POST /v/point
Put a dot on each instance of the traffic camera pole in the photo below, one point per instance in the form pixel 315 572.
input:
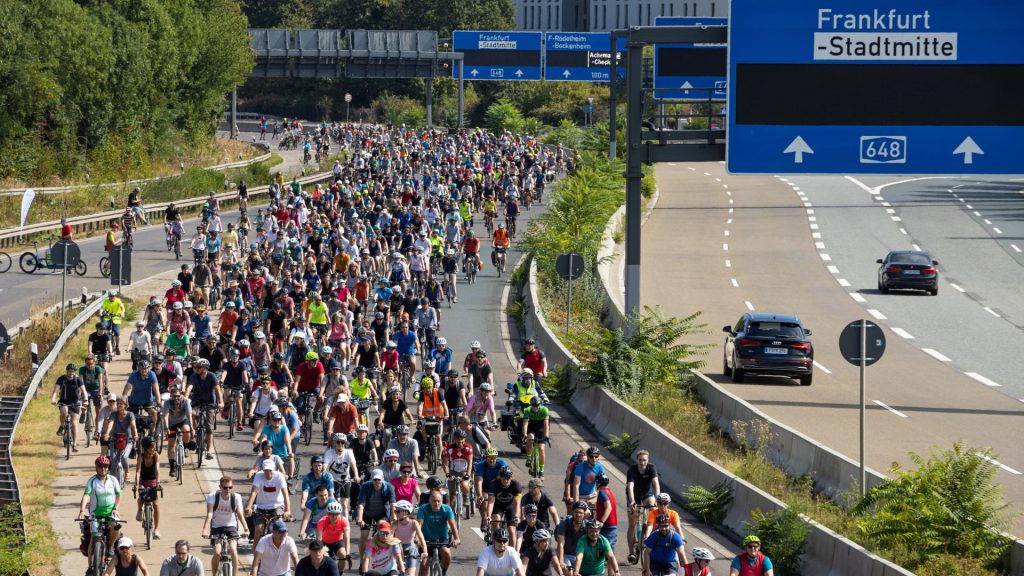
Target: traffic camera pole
pixel 634 176
pixel 461 87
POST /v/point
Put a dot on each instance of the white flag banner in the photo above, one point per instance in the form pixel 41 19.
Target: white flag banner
pixel 26 203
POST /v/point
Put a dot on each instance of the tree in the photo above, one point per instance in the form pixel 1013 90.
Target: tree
pixel 503 115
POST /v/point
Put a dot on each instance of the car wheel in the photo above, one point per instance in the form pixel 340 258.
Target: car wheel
pixel 934 291
pixel 882 288
pixel 725 366
pixel 737 372
pixel 805 380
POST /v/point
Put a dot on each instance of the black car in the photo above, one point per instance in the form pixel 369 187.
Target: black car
pixel 768 344
pixel 908 269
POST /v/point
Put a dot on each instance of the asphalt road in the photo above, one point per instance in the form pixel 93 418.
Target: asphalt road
pixel 752 243
pixel 478 315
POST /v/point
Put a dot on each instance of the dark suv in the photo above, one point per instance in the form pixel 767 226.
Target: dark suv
pixel 770 344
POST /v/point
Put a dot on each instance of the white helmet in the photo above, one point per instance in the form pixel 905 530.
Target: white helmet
pixel 475 344
pixel 442 341
pixel 428 363
pixel 390 453
pixel 702 554
pixel 334 508
pixel 405 505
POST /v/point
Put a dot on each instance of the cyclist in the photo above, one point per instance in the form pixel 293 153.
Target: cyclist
pixel 585 477
pixel 568 535
pixel 343 416
pixel 269 499
pixel 342 464
pixel 275 554
pixel 533 359
pixel 101 345
pixel 205 391
pixel 593 551
pixel 234 375
pixel 333 530
pixel 432 408
pixel 504 496
pixel 538 559
pixel 383 555
pixel 663 501
pixel 279 435
pixel 120 427
pixel 499 243
pixel 471 253
pixel 700 566
pixel 485 473
pixel 317 562
pixel 751 562
pixel 112 312
pixel 99 503
pixel 362 387
pixel 407 345
pixel 143 391
pixel 437 521
pixel 69 393
pixel 376 497
pixel 428 372
pixel 126 562
pixel 407 530
pixel 480 371
pixel 480 406
pixel 449 268
pixel 536 496
pixel 458 458
pixel 316 508
pixel 224 517
pixel 606 513
pixel 663 552
pixel 530 523
pixel 408 449
pixel 536 428
pixel 511 213
pixel 641 484
pixel 308 376
pixel 95 380
pixel 110 240
pixel 406 486
pixel 316 477
pixel 181 563
pixel 499 559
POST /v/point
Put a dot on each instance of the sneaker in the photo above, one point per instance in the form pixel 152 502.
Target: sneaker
pixel 60 430
pixel 81 419
pixel 631 559
pixel 74 448
pixel 238 428
pixel 156 534
pixel 455 300
pixel 209 456
pixel 138 516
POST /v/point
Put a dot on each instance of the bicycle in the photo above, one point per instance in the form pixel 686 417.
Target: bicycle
pixel 118 461
pixel 224 564
pixel 308 402
pixel 5 262
pixel 29 262
pixel 434 557
pixel 90 421
pixel 499 259
pixel 432 432
pixel 460 504
pixel 363 408
pixel 449 291
pixel 642 511
pixel 510 223
pixel 406 373
pixel 148 495
pixel 233 395
pixel 472 266
pixel 67 437
pixel 105 266
pixel 98 543
pixel 533 457
pixel 179 454
pixel 200 433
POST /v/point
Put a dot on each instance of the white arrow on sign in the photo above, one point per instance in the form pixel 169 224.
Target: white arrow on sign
pixel 473 72
pixel 519 73
pixel 566 73
pixel 968 148
pixel 686 86
pixel 798 147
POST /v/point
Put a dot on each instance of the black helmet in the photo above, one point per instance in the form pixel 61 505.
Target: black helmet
pixel 500 534
pixel 530 509
pixel 603 479
pixel 663 519
pixel 505 472
pixel 579 505
pixel 434 483
pixel 593 451
pixel 278 356
pixel 534 401
pixel 460 433
pixel 71 366
pixel 146 442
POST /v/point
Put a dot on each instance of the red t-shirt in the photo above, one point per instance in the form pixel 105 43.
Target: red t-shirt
pixel 332 532
pixel 389 358
pixel 603 503
pixel 344 420
pixel 174 295
pixel 309 377
pixel 534 361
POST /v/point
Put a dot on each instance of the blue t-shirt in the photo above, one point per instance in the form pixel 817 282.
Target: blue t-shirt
pixel 310 484
pixel 316 512
pixel 406 342
pixel 202 325
pixel 488 473
pixel 588 476
pixel 142 388
pixel 765 566
pixel 663 549
pixel 277 439
pixel 443 360
pixel 435 523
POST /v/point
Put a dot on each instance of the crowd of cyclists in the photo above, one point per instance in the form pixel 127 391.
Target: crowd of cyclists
pixel 318 322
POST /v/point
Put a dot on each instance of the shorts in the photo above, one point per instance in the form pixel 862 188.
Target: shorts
pixel 411 554
pixel 334 546
pixel 95 396
pixel 664 568
pixel 319 328
pixel 372 520
pixel 226 531
pixel 73 408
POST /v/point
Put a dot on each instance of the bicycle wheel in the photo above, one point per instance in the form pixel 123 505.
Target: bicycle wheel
pixel 232 418
pixel 147 523
pixel 105 266
pixel 68 439
pixel 5 262
pixel 179 461
pixel 170 241
pixel 81 268
pixel 200 445
pixel 90 426
pixel 158 434
pixel 435 567
pixel 307 428
pixel 225 565
pixel 97 556
pixel 28 263
pixel 177 249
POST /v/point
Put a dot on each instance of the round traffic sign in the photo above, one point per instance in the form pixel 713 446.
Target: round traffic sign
pixel 569 265
pixel 348 97
pixel 5 340
pixel 62 249
pixel 850 343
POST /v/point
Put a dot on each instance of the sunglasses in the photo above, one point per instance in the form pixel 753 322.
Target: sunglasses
pixel 124 548
pixel 501 541
pixel 227 487
pixel 753 546
pixel 406 470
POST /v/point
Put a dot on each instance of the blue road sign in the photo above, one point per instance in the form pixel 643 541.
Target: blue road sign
pixel 580 56
pixel 690 71
pixel 498 55
pixel 862 87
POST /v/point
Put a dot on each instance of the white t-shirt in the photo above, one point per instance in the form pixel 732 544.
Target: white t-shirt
pixel 494 566
pixel 223 517
pixel 269 493
pixel 338 465
pixel 139 341
pixel 275 560
pixel 264 401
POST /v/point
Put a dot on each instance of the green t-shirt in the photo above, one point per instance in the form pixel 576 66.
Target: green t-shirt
pixel 91 377
pixel 102 495
pixel 590 559
pixel 537 414
pixel 178 343
pixel 318 314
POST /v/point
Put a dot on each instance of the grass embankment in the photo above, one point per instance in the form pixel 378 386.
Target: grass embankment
pixel 34 454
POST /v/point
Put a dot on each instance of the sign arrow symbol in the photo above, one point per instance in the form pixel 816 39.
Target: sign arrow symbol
pixel 519 73
pixel 798 147
pixel 968 148
pixel 473 72
pixel 686 86
pixel 566 73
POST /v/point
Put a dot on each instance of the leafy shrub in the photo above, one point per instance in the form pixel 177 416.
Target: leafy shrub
pixel 623 446
pixel 503 115
pixel 12 547
pixel 558 383
pixel 783 535
pixel 710 506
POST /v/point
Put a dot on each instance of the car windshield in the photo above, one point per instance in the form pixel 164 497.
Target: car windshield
pixel 910 258
pixel 776 330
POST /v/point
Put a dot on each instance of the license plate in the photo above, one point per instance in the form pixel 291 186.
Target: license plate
pixel 776 350
pixel 912 272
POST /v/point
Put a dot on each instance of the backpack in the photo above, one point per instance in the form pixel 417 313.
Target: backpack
pixel 216 501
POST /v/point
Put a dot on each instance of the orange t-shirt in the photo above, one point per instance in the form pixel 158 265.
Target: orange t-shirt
pixel 227 321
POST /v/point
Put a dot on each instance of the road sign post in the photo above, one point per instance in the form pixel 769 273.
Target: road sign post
pixel 68 254
pixel 690 71
pixel 570 267
pixel 849 88
pixel 862 343
pixel 499 55
pixel 5 340
pixel 348 102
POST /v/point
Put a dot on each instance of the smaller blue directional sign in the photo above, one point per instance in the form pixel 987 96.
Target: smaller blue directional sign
pixel 858 87
pixel 580 56
pixel 498 55
pixel 690 71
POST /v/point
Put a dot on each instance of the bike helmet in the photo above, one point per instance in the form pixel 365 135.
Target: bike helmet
pixel 603 479
pixel 530 509
pixel 663 519
pixel 591 524
pixel 326 351
pixel 229 303
pixel 593 451
pixel 663 498
pixel 540 535
pixel 202 363
pixel 339 437
pixel 441 341
pixel 394 389
pixel 282 402
pixel 278 356
pixel 334 508
pixel 391 453
pixel 158 358
pixel 243 343
pixel 233 353
pixel 490 452
pixel 460 433
pixel 146 442
pixel 316 459
pixel 176 283
pixel 703 554
pixel 103 461
pixel 427 383
pixel 379 315
pixel 403 429
pixel 751 539
pixel 526 372
pixel 359 370
pixel 391 344
pixel 259 335
pixel 434 483
pixel 143 364
pixel 405 506
pixel 486 387
pixel 500 535
pixel 429 363
pixel 534 402
pixel 311 355
pixel 71 366
pixel 530 341
pixel 475 344
pixel 177 306
pixel 505 472
pixel 580 505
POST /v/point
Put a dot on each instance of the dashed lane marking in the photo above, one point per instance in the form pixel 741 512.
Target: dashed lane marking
pixel 997 230
pixel 728 263
pixel 878 315
pixel 936 354
pixel 822 368
pixel 726 232
pixel 825 257
pixel 857 297
pixel 833 269
pixel 725 247
pixel 1000 464
pixel 957 287
pixel 902 333
pixel 1015 248
pixel 819 245
pixel 992 312
pixel 843 282
pixel 891 409
pixel 983 380
pixel 735 284
pixel 916 247
pixel 749 305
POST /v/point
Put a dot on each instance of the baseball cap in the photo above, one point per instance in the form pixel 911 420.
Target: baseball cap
pixel 269 465
pixel 279 526
pixel 342 397
pixel 315 545
pixel 377 474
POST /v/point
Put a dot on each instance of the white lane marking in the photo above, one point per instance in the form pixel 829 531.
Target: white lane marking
pixel 476 529
pixel 988 222
pixel 969 207
pixel 726 232
pixel 814 226
pixel 902 333
pixel 730 200
pixel 822 368
pixel 833 269
pixel 1015 248
pixel 810 211
pixel 825 257
pixel 936 354
pixel 997 230
pixel 961 199
pixel 891 409
pixel 725 247
pixel 808 204
pixel 728 263
pixel 857 297
pixel 983 380
pixel 916 247
pixel 706 174
pixel 819 245
pixel 782 179
pixel 730 210
pixel 957 287
pixel 886 204
pixel 843 282
pixel 878 315
pixel 863 186
pixel 992 312
pixel 729 221
pixel 812 218
pixel 691 168
pixel 735 284
pixel 718 179
pixel 903 231
pixel 797 188
pixel 749 305
pixel 725 185
pixel 890 211
pixel 816 235
pixel 879 198
pixel 1000 464
pixel 895 218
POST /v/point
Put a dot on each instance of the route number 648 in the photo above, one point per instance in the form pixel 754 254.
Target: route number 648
pixel 883 149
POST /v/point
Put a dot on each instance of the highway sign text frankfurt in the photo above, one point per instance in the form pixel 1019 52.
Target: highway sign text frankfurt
pixel 855 86
pixel 690 71
pixel 579 56
pixel 498 55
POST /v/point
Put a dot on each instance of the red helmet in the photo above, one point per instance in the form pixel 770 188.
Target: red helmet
pixel 103 460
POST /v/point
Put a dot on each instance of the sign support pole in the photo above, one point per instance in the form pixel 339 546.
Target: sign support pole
pixel 863 385
pixel 346 112
pixel 613 94
pixel 462 80
pixel 634 175
pixel 568 298
pixel 430 101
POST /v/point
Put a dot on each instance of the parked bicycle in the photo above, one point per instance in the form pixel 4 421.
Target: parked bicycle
pixel 5 262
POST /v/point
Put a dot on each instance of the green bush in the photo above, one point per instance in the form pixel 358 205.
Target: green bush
pixel 12 542
pixel 558 383
pixel 783 535
pixel 503 115
pixel 711 505
pixel 623 446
